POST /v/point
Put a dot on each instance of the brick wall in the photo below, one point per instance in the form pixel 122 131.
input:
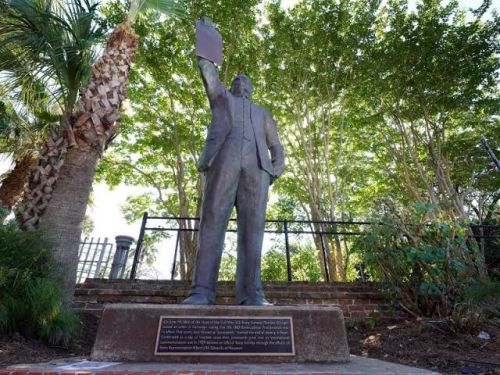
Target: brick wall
pixel 357 300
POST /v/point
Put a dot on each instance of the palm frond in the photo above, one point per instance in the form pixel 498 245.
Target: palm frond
pixel 50 41
pixel 167 7
pixel 174 7
pixel 20 129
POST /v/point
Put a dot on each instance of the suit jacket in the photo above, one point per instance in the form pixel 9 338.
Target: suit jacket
pixel 221 104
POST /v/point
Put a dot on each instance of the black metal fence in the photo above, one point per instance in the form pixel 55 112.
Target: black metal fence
pixel 284 228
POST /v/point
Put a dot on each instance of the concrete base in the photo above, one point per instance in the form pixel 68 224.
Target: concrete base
pixel 128 333
pixel 356 366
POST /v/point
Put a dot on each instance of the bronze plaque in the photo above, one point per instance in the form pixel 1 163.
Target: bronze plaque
pixel 221 335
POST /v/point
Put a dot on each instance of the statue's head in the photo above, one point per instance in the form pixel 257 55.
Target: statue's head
pixel 241 86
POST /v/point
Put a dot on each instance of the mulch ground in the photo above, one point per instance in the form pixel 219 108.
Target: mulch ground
pixel 427 345
pixel 16 349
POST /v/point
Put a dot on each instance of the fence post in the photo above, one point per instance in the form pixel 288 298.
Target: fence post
pixel 172 274
pixel 82 245
pixel 86 260
pixel 121 254
pixel 101 257
pixel 138 248
pixel 81 263
pixel 287 252
pixel 325 257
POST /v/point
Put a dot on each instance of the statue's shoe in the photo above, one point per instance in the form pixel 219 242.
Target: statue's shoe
pixel 258 301
pixel 197 299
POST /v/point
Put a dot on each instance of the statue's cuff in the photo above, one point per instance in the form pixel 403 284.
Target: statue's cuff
pixel 277 153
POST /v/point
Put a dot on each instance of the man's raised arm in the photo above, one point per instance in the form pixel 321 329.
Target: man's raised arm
pixel 213 86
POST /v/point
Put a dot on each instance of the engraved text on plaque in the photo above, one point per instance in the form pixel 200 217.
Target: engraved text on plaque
pixel 225 336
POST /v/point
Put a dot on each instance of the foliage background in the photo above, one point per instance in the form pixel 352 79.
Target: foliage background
pixel 379 105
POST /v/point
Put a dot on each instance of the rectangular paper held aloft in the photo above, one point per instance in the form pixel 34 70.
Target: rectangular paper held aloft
pixel 208 43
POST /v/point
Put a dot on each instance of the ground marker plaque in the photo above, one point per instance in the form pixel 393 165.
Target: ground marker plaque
pixel 224 335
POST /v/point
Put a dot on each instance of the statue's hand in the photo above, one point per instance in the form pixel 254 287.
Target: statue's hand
pixel 278 167
pixel 278 160
pixel 203 167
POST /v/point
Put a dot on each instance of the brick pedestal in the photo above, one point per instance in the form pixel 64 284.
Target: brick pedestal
pixel 357 300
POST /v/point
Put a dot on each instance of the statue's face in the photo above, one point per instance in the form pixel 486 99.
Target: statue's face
pixel 241 86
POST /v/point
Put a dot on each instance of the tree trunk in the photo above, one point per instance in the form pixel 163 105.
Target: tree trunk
pixel 13 185
pixel 339 258
pixel 61 221
pixel 322 251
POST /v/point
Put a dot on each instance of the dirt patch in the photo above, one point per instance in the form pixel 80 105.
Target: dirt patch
pixel 428 345
pixel 85 334
pixel 15 349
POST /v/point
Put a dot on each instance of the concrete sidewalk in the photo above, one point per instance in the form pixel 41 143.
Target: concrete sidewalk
pixel 357 366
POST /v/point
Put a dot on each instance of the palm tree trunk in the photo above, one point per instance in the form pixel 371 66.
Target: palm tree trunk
pixel 41 182
pixel 13 184
pixel 96 123
pixel 61 222
pixel 99 105
pixel 64 203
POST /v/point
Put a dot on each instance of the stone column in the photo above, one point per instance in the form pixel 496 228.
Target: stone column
pixel 121 254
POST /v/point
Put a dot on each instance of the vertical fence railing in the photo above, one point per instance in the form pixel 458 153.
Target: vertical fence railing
pixel 287 252
pixel 138 248
pixel 174 262
pixel 326 260
pixel 94 255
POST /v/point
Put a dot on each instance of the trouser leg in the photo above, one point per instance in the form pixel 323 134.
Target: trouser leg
pixel 251 205
pixel 218 201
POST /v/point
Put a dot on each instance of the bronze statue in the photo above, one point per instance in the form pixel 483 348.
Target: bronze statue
pixel 238 172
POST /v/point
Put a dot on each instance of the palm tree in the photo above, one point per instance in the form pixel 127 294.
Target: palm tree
pixel 46 53
pixel 60 207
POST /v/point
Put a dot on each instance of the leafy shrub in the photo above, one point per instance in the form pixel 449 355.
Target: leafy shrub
pixel 304 265
pixel 426 262
pixel 3 213
pixel 373 320
pixel 228 266
pixel 491 244
pixel 30 301
pixel 466 317
pixel 350 323
pixel 486 295
pixel 274 266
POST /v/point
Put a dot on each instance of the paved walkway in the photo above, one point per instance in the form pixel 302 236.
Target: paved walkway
pixel 78 366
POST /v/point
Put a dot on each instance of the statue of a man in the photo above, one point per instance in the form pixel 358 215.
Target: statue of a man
pixel 238 171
